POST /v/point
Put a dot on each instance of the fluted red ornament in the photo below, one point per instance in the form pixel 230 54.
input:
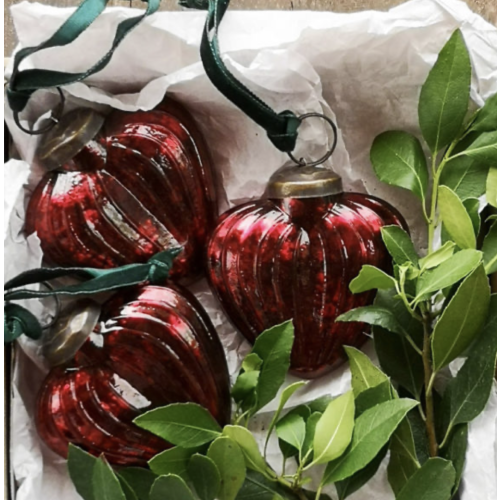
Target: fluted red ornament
pixel 292 255
pixel 151 347
pixel 143 184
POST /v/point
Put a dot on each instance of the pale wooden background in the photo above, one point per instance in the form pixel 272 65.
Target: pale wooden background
pixel 487 8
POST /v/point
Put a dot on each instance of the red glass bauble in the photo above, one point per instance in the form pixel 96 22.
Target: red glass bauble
pixel 292 255
pixel 152 347
pixel 142 185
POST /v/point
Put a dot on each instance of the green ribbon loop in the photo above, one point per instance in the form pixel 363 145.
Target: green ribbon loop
pixel 281 127
pixel 24 83
pixel 19 320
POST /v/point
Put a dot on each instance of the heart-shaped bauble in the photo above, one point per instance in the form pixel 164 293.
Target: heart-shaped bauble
pixel 152 347
pixel 293 257
pixel 144 184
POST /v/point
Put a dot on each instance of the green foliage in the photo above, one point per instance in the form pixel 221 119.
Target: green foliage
pixel 333 431
pixel 399 245
pixel 399 160
pixel 455 452
pixel 491 187
pixel 292 430
pixel 139 480
pixel 105 483
pixel 170 487
pixel 364 374
pixel 403 462
pixel 183 424
pixel 372 430
pixel 448 273
pixel 249 447
pixel 369 278
pixel 375 316
pixel 230 462
pixel 205 477
pixel 433 481
pixel 444 97
pixel 172 461
pixel 455 218
pixel 467 394
pixel 490 250
pixel 81 468
pixel 486 118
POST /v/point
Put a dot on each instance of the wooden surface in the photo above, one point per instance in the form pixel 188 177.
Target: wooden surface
pixel 487 8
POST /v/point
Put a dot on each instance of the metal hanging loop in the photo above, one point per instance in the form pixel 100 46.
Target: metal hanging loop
pixel 302 162
pixel 55 116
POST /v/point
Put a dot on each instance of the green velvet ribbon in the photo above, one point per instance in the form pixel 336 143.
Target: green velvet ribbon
pixel 281 127
pixel 18 320
pixel 24 83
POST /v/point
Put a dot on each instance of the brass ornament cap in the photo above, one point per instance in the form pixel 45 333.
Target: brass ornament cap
pixel 69 136
pixel 70 331
pixel 294 181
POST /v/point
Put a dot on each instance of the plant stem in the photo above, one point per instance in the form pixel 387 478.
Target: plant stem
pixel 318 493
pixel 428 377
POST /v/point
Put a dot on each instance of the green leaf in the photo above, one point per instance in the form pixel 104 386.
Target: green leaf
pixel 285 396
pixel 444 97
pixel 465 176
pixel 81 470
pixel 364 374
pixel 334 429
pixel 490 250
pixel 455 218
pixel 399 160
pixel 372 430
pixel 245 440
pixel 127 489
pixel 320 404
pixel 170 487
pixel 486 118
pixel 311 424
pixel 403 462
pixel 472 206
pixel 245 385
pixel 139 480
pixel 373 315
pixel 466 395
pixel 484 148
pixel 258 487
pixel 172 461
pixel 374 396
pixel 371 277
pixel 419 435
pixel 448 273
pixel 230 461
pixel 292 429
pixel 252 362
pixel 491 187
pixel 274 347
pixel 183 424
pixel 356 481
pixel 399 245
pixel 456 452
pixel 205 477
pixel 462 319
pixel 433 481
pixel 437 257
pixel 397 358
pixel 105 483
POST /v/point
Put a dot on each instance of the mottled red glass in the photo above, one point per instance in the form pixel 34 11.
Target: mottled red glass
pixel 272 260
pixel 152 347
pixel 143 185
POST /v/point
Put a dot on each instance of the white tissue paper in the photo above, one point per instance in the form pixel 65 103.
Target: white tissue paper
pixel 363 69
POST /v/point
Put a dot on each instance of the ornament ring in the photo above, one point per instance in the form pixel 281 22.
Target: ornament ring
pixel 302 162
pixel 55 116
